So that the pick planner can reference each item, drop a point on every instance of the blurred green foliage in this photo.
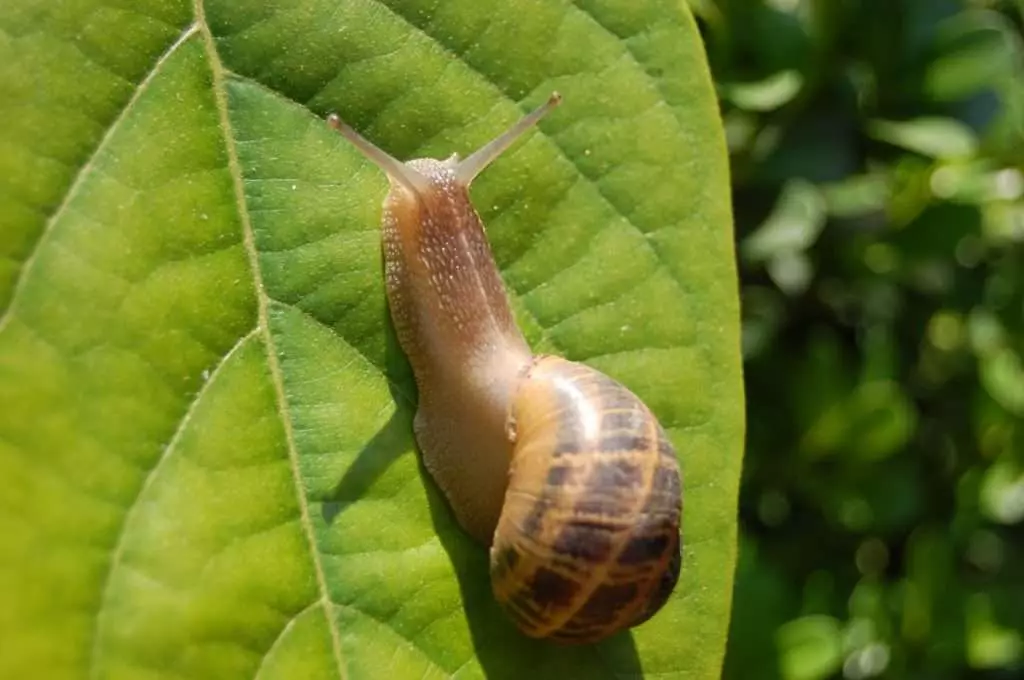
(878, 174)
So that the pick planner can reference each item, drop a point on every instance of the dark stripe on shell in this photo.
(587, 541)
(614, 397)
(630, 420)
(606, 602)
(559, 475)
(533, 521)
(644, 549)
(570, 437)
(550, 588)
(589, 507)
(504, 562)
(624, 442)
(615, 475)
(665, 447)
(664, 588)
(665, 482)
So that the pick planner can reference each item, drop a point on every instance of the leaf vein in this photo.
(404, 638)
(285, 629)
(85, 171)
(395, 387)
(118, 552)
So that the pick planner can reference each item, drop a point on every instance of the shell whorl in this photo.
(588, 541)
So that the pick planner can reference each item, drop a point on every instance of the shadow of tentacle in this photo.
(390, 442)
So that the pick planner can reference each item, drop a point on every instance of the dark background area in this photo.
(877, 152)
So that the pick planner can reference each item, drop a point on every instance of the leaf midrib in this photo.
(219, 74)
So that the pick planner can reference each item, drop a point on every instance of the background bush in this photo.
(877, 151)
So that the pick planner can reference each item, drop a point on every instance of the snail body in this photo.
(562, 471)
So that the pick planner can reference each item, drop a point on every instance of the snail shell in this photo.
(588, 541)
(564, 472)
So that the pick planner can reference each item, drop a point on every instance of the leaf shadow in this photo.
(503, 652)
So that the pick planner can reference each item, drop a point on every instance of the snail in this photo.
(562, 471)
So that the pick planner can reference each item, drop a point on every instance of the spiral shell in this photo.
(588, 541)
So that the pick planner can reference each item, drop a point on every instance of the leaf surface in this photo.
(207, 467)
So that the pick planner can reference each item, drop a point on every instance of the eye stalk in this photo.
(396, 170)
(468, 169)
(465, 171)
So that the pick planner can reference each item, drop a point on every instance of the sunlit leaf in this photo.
(933, 137)
(207, 466)
(793, 226)
(810, 648)
(975, 50)
(767, 94)
(1003, 377)
(1002, 492)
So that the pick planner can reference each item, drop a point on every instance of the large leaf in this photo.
(206, 461)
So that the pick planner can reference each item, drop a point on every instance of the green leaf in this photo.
(944, 138)
(1002, 492)
(768, 94)
(1002, 374)
(810, 648)
(975, 49)
(794, 225)
(857, 195)
(207, 467)
(990, 645)
(780, 242)
(873, 422)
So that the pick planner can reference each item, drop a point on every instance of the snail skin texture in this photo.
(562, 471)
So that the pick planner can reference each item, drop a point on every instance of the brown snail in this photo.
(564, 472)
